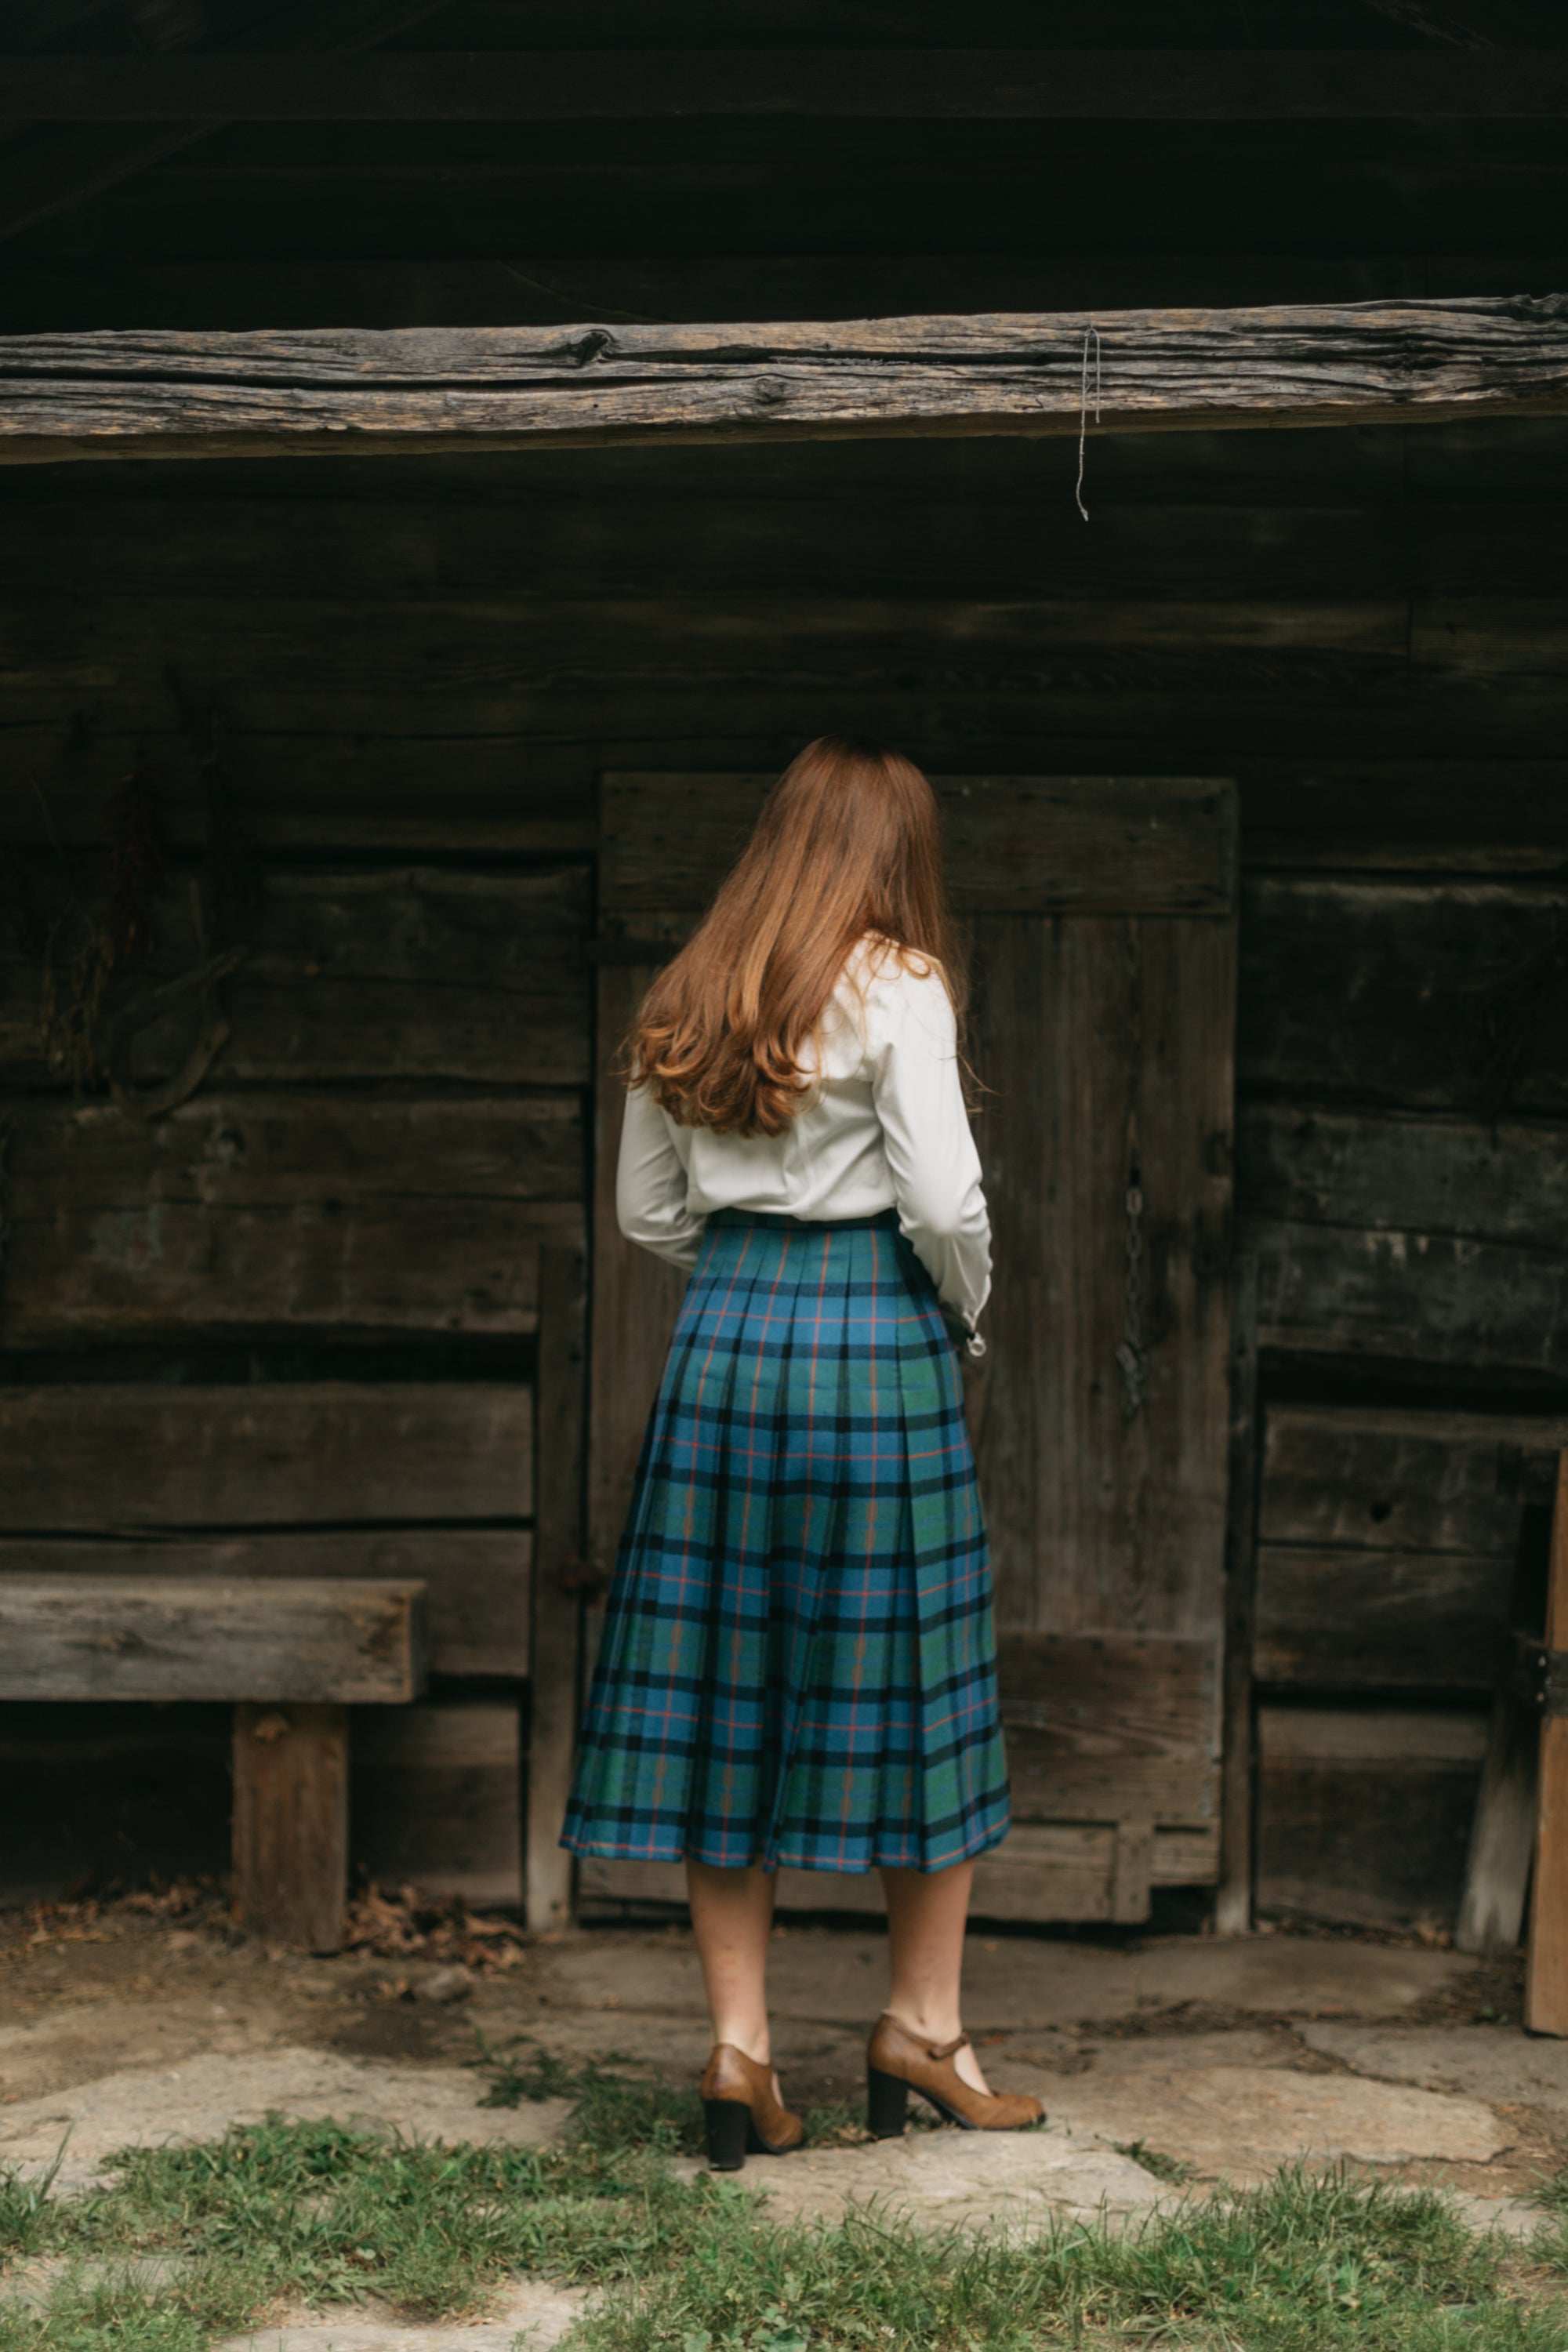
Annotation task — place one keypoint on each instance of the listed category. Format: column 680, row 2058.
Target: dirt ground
column 1203, row 2057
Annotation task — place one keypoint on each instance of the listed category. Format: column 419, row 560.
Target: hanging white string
column 1083, row 411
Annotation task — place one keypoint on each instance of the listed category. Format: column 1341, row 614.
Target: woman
column 798, row 1665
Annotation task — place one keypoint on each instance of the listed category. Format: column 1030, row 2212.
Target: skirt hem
column 592, row 1850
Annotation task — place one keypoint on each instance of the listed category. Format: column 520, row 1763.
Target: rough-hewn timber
column 172, row 393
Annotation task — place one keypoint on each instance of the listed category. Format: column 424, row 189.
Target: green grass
column 327, row 2215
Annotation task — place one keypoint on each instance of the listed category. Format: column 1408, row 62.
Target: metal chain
column 1131, row 1357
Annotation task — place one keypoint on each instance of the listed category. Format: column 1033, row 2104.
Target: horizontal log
column 1143, row 844
column 435, row 1799
column 1348, row 1620
column 291, row 1638
column 1442, row 815
column 1017, row 542
column 124, row 394
column 477, row 1580
column 1041, row 1871
column 256, row 1212
column 1411, row 994
column 402, row 973
column 1029, row 84
column 1378, row 1478
column 115, row 1456
column 1432, row 1240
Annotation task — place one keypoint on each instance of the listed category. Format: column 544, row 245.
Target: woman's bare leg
column 927, row 1910
column 732, row 1918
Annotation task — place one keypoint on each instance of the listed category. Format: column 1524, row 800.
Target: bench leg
column 291, row 1823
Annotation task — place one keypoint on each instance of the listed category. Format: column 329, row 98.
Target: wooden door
column 1103, row 911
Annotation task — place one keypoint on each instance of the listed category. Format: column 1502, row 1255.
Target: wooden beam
column 1035, row 85
column 1233, row 1899
column 557, row 1599
column 291, row 1824
column 88, row 1637
column 1546, row 1973
column 161, row 393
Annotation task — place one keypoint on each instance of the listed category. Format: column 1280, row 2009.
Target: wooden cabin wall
column 295, row 1321
column 298, row 1311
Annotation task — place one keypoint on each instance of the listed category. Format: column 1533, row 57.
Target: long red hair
column 848, row 843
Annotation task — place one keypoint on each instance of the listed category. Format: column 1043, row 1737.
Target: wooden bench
column 292, row 1653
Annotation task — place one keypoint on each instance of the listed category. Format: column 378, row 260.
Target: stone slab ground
column 1165, row 2066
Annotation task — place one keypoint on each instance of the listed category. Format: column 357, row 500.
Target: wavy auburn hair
column 848, row 843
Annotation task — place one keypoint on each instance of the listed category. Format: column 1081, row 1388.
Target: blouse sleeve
column 935, row 1169
column 650, row 1185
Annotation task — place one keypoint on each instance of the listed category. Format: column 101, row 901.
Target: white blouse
column 884, row 1126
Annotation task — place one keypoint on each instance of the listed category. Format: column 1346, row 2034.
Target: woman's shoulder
column 896, row 983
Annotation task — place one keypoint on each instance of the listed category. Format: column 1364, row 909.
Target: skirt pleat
column 798, row 1664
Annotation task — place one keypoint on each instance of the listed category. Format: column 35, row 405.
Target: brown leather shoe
column 744, row 2115
column 898, row 2063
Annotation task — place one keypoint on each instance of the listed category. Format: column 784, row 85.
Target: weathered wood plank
column 1497, row 1866
column 1421, row 995
column 1398, row 1478
column 1364, row 1816
column 1233, row 1902
column 1426, row 1239
column 1013, row 844
column 612, row 538
column 635, row 1295
column 119, row 394
column 1110, row 1726
column 291, row 1823
column 557, row 1599
column 477, row 1581
column 400, row 974
column 257, row 1210
column 1055, row 1870
column 1106, row 1044
column 128, row 1455
column 87, row 1637
column 925, row 84
column 1546, row 1972
column 1344, row 1619
column 435, row 1795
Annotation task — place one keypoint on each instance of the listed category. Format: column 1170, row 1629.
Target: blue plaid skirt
column 798, row 1664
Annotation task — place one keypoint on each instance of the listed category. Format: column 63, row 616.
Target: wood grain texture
column 397, row 974
column 1396, row 1479
column 1502, row 1835
column 1042, row 1871
column 1406, row 995
column 1365, row 1815
column 1429, row 1239
column 1110, row 1726
column 1106, row 1044
column 925, row 84
column 128, row 1456
column 290, row 1824
column 557, row 1599
column 1233, row 1901
column 438, row 1798
column 295, row 1638
column 635, row 1295
column 1017, row 844
column 184, row 394
column 1347, row 1619
column 263, row 1211
column 477, row 1581
column 1546, row 1972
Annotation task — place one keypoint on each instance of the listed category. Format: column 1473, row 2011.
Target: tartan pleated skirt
column 798, row 1662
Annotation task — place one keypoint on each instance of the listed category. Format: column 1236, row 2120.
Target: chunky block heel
column 887, row 2104
column 729, row 2132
